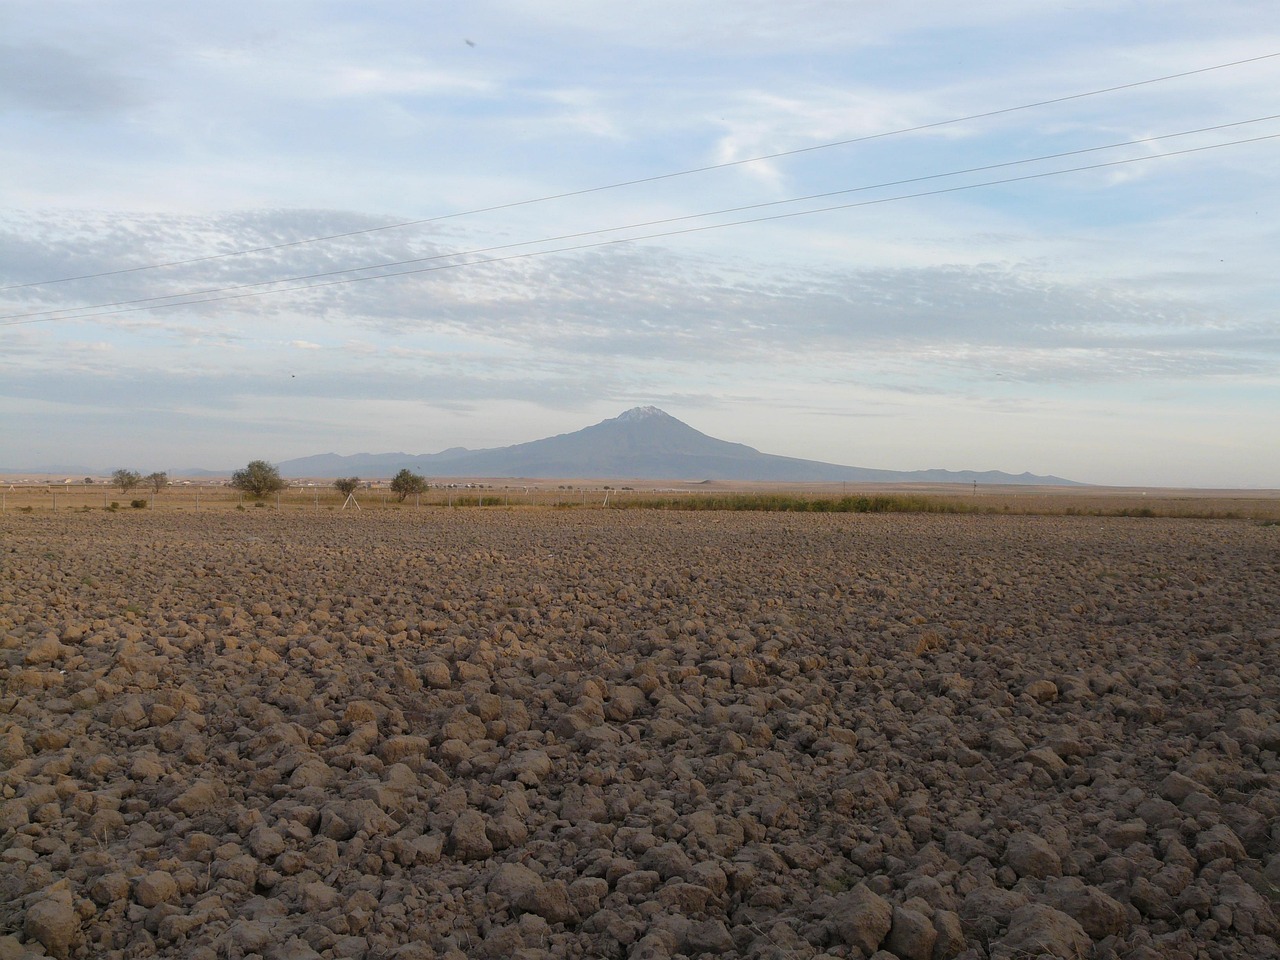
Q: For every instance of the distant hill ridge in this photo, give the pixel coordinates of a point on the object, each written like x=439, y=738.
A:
x=644, y=443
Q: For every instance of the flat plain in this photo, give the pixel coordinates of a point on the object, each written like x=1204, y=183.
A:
x=41, y=494
x=537, y=733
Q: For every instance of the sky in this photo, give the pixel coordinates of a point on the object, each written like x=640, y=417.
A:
x=553, y=176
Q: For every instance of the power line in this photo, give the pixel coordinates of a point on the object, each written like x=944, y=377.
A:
x=644, y=224
x=650, y=179
x=132, y=307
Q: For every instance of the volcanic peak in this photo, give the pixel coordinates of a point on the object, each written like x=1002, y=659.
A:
x=642, y=413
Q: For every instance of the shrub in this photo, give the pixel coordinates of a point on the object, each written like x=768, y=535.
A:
x=138, y=504
x=778, y=503
x=258, y=479
x=406, y=482
x=126, y=480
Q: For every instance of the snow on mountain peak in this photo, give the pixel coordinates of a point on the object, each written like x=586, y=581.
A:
x=641, y=413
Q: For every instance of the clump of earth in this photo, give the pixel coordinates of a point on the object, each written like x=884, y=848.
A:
x=540, y=734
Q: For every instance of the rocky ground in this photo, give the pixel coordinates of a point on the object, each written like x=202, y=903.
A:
x=536, y=734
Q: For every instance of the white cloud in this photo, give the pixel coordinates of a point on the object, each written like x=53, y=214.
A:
x=353, y=80
x=163, y=132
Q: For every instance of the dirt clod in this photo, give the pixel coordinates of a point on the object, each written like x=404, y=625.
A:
x=555, y=735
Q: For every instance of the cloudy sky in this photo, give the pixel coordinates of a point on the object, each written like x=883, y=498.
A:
x=1107, y=311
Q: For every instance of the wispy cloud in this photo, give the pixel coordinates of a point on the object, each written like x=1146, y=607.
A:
x=163, y=132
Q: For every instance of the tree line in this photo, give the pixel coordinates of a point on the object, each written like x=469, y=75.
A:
x=126, y=480
x=403, y=484
x=260, y=479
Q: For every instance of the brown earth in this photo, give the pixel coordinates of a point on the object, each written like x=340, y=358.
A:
x=36, y=495
x=586, y=733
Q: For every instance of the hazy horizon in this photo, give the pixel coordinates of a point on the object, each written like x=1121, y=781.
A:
x=1113, y=325
x=657, y=452
x=206, y=471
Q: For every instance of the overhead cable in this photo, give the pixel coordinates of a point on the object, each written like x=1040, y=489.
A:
x=646, y=224
x=135, y=306
x=650, y=179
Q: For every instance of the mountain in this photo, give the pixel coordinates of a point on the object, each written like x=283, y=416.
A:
x=59, y=469
x=643, y=443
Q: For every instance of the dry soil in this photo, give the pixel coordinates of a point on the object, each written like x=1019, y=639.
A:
x=576, y=733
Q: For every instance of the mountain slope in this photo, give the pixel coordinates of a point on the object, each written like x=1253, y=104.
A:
x=643, y=443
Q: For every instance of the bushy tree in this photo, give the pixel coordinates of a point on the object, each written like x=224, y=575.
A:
x=406, y=482
x=347, y=485
x=157, y=481
x=258, y=479
x=126, y=480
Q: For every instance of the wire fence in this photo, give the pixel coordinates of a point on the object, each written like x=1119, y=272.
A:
x=25, y=496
